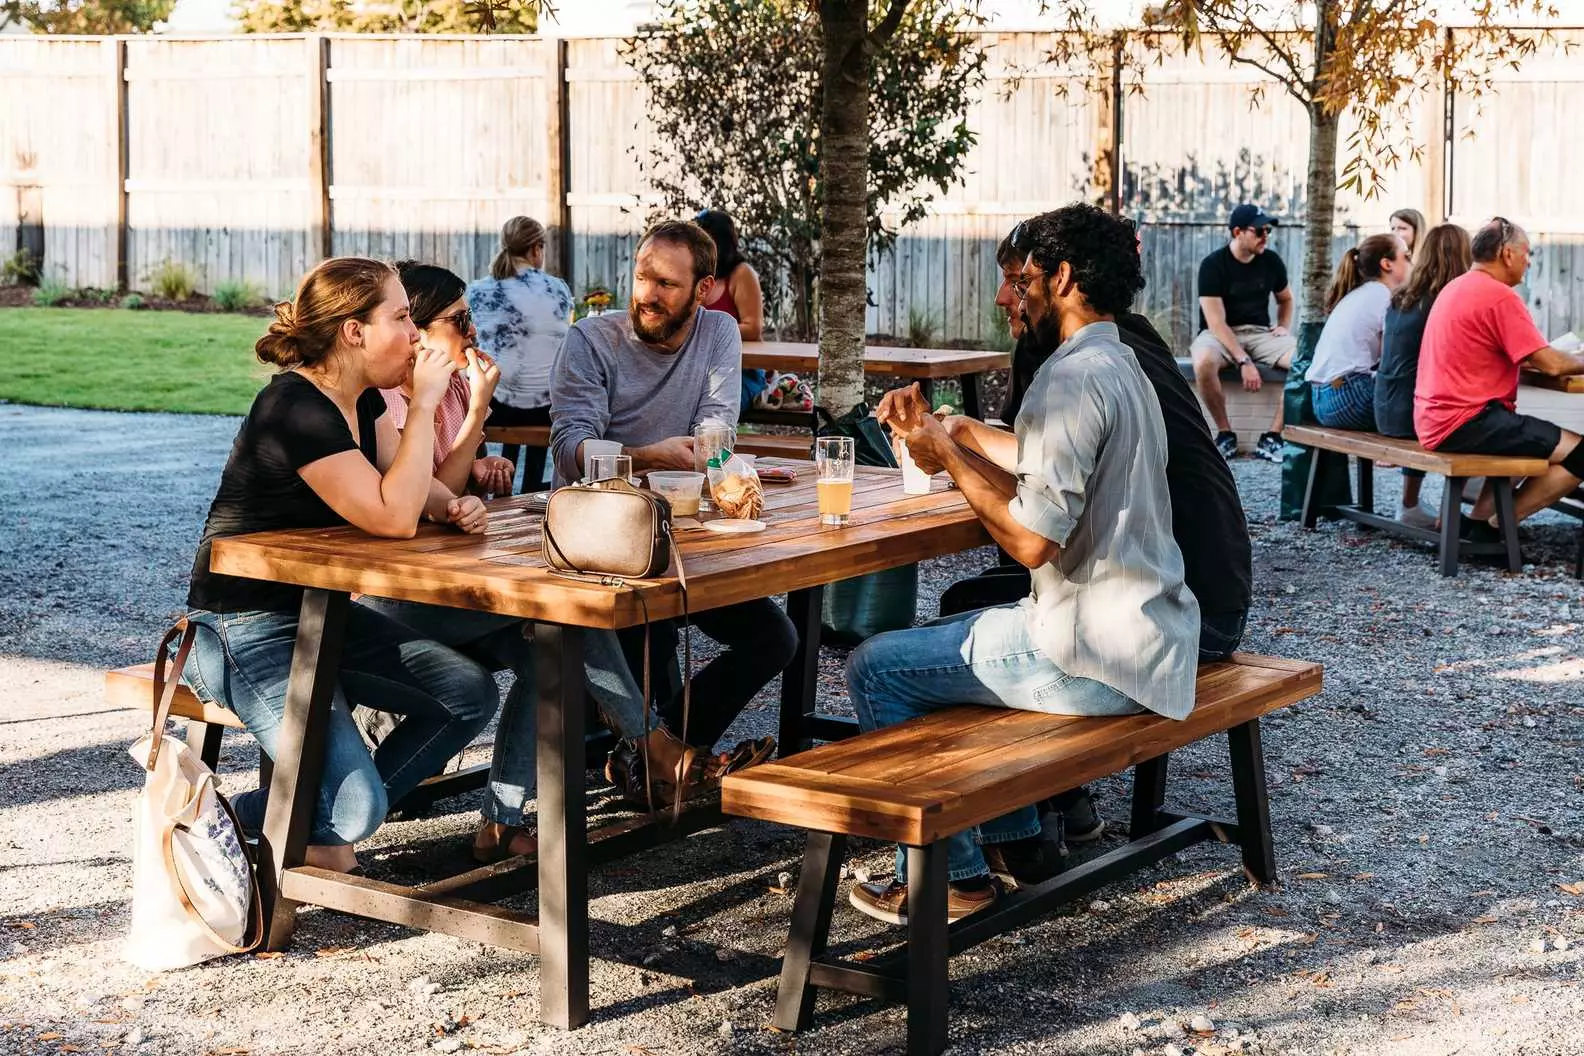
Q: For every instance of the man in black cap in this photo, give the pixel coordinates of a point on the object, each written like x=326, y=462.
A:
x=1236, y=283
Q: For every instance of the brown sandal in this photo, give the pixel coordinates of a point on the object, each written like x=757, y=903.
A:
x=747, y=753
x=625, y=769
x=495, y=842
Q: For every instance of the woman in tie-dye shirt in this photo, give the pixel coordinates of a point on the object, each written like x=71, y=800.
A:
x=522, y=315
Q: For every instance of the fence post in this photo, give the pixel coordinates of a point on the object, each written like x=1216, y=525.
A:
x=558, y=157
x=116, y=59
x=1118, y=43
x=1438, y=146
x=320, y=223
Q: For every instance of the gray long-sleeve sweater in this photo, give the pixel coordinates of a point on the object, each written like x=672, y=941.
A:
x=609, y=385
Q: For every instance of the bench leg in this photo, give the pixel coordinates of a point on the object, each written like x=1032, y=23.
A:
x=204, y=739
x=926, y=950
x=1578, y=558
x=1253, y=807
x=1311, y=509
x=811, y=917
x=1507, y=517
x=1366, y=485
x=1149, y=795
x=1451, y=518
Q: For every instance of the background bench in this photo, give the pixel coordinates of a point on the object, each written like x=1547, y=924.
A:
x=1370, y=448
x=926, y=779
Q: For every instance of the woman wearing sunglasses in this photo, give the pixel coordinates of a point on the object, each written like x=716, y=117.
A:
x=445, y=324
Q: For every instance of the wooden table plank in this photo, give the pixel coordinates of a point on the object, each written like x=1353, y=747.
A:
x=500, y=571
x=1573, y=383
x=1408, y=453
x=913, y=363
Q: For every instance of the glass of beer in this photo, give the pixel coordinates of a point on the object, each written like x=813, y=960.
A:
x=833, y=461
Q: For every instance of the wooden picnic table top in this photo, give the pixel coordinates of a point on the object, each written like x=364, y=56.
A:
x=1572, y=383
x=918, y=363
x=501, y=570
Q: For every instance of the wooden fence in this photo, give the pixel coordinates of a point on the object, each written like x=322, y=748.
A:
x=248, y=158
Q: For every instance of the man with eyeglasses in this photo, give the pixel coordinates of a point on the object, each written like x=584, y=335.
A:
x=1077, y=494
x=1479, y=334
x=1236, y=284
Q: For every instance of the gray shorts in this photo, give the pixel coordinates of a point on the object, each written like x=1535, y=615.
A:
x=1262, y=346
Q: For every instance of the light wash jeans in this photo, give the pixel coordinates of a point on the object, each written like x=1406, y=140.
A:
x=981, y=657
x=498, y=643
x=242, y=660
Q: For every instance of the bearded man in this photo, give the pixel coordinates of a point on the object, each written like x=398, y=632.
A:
x=645, y=380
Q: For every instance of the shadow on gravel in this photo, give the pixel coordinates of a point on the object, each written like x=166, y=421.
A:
x=69, y=773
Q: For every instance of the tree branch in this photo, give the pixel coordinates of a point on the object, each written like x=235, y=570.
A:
x=1285, y=82
x=881, y=34
x=1289, y=82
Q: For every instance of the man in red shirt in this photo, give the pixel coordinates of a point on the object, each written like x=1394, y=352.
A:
x=1477, y=337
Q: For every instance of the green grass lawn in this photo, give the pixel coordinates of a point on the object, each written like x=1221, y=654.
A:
x=132, y=361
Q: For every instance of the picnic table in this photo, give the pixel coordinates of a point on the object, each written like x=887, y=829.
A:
x=500, y=571
x=1572, y=383
x=923, y=365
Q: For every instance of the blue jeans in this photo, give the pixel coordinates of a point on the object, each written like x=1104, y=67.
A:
x=498, y=643
x=242, y=660
x=1348, y=406
x=980, y=657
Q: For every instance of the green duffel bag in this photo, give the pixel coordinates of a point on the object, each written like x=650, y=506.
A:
x=1298, y=409
x=855, y=609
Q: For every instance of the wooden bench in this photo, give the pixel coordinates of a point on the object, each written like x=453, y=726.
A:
x=1370, y=448
x=932, y=777
x=763, y=444
x=133, y=688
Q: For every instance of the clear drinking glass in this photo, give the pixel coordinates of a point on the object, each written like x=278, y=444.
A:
x=712, y=443
x=833, y=461
x=608, y=467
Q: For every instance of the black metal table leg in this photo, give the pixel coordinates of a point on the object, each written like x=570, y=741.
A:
x=299, y=754
x=563, y=841
x=971, y=393
x=1149, y=795
x=1507, y=517
x=811, y=917
x=1451, y=520
x=926, y=950
x=927, y=390
x=800, y=680
x=1253, y=808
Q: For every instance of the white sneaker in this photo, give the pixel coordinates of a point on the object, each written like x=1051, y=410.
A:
x=1418, y=517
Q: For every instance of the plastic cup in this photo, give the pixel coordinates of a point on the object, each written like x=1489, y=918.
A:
x=914, y=480
x=610, y=467
x=712, y=445
x=680, y=488
x=592, y=449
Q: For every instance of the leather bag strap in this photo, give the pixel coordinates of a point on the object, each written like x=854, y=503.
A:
x=255, y=930
x=165, y=688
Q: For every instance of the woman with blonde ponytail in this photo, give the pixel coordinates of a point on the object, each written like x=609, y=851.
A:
x=522, y=315
x=1342, y=375
x=317, y=449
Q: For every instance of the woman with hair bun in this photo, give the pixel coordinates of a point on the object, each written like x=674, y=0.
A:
x=317, y=449
x=1342, y=375
x=522, y=314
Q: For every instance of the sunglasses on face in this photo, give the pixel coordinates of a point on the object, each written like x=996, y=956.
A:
x=462, y=320
x=1263, y=232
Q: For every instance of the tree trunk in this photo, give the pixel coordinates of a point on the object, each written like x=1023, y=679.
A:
x=1320, y=218
x=844, y=178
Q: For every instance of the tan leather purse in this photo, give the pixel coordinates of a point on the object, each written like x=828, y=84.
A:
x=607, y=529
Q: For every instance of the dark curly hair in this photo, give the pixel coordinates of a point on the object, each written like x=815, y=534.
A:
x=1102, y=250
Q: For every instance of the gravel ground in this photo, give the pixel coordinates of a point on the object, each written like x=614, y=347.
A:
x=1427, y=812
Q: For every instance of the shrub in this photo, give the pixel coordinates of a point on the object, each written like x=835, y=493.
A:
x=51, y=292
x=922, y=326
x=132, y=302
x=173, y=281
x=96, y=295
x=237, y=295
x=20, y=268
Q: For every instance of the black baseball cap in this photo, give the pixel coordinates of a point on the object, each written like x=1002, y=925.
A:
x=1247, y=215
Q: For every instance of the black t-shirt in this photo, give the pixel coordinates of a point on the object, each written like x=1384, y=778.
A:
x=1245, y=289
x=290, y=425
x=1207, y=513
x=1399, y=368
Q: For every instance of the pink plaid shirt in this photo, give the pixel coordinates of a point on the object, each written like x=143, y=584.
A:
x=448, y=418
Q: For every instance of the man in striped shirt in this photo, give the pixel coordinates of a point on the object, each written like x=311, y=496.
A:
x=1078, y=495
